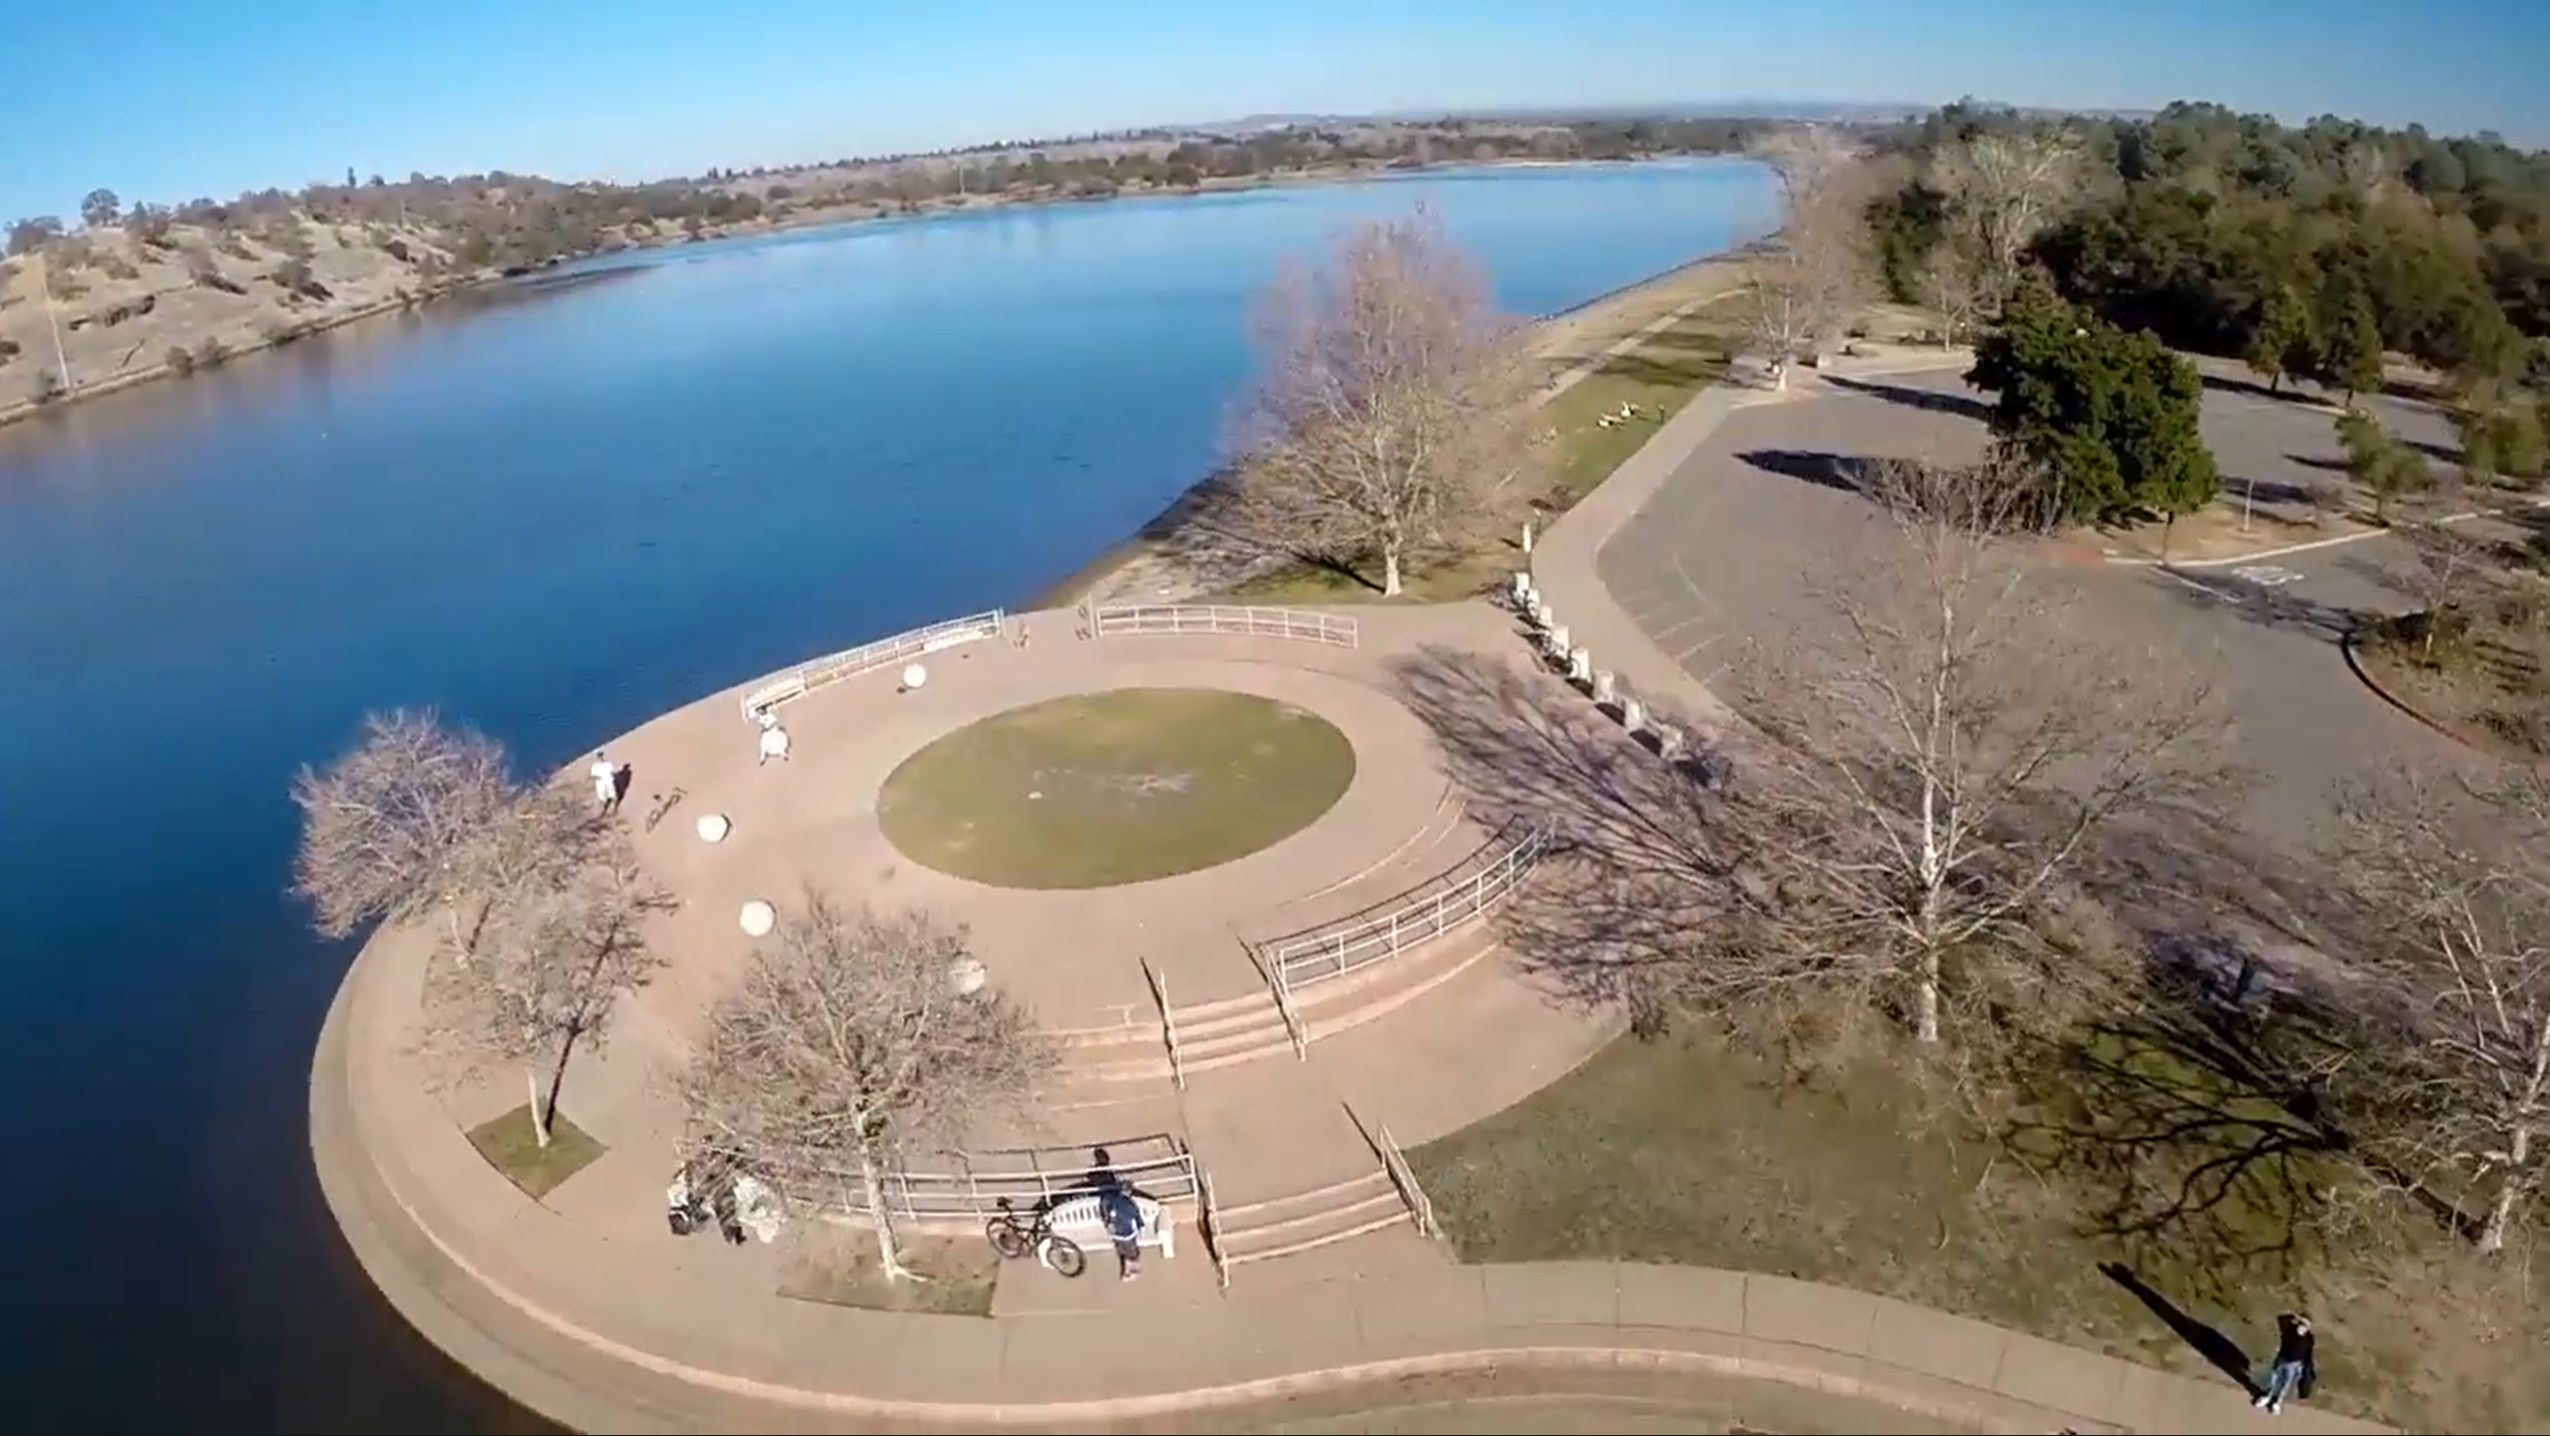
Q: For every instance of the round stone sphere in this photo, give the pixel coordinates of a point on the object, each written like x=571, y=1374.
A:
x=915, y=676
x=713, y=827
x=967, y=976
x=758, y=918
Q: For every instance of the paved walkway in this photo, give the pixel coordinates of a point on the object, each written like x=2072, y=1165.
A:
x=583, y=1307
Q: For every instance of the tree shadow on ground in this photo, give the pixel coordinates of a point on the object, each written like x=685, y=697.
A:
x=2195, y=1119
x=2205, y=1340
x=1842, y=472
x=1963, y=406
x=2255, y=388
x=2261, y=604
x=1636, y=853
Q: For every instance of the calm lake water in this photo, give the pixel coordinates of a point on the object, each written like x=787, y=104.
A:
x=552, y=518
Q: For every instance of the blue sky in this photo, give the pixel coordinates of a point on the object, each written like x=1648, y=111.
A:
x=174, y=98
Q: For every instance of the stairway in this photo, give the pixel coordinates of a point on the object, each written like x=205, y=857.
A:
x=1249, y=1028
x=1306, y=1221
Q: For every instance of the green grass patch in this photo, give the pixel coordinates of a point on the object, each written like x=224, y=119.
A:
x=2144, y=1205
x=1126, y=786
x=1654, y=380
x=511, y=1146
x=838, y=1266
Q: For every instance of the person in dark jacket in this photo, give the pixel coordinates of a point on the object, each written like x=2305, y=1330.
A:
x=1123, y=1216
x=2294, y=1372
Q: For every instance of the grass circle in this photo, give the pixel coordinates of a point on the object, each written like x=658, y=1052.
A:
x=1126, y=786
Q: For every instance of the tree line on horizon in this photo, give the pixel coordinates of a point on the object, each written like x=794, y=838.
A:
x=503, y=221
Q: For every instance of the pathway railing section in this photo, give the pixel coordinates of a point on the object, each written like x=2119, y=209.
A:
x=869, y=657
x=1394, y=1160
x=1168, y=1022
x=1210, y=1222
x=1159, y=1166
x=1378, y=934
x=1305, y=625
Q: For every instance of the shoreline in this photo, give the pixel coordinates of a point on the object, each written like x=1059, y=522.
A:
x=844, y=217
x=1180, y=580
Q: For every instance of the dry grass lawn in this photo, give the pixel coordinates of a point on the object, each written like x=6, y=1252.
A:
x=837, y=1265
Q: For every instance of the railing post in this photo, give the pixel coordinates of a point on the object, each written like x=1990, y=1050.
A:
x=1168, y=1023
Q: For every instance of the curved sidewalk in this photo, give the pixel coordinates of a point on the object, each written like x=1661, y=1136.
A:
x=601, y=1322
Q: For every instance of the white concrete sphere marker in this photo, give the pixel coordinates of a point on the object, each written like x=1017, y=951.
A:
x=713, y=827
x=967, y=976
x=915, y=676
x=758, y=918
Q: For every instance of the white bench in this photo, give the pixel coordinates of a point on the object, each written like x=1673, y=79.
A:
x=1078, y=1219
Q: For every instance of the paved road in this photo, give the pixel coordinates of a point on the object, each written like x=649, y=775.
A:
x=1729, y=549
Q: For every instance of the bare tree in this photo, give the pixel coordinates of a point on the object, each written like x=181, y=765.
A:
x=2449, y=561
x=2007, y=188
x=1951, y=282
x=2454, y=879
x=549, y=976
x=419, y=818
x=1806, y=283
x=1394, y=401
x=849, y=1043
x=1945, y=745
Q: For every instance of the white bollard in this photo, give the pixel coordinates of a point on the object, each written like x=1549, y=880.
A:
x=1580, y=666
x=1606, y=687
x=1527, y=535
x=1522, y=588
x=1540, y=610
x=1669, y=743
x=1633, y=714
x=1558, y=644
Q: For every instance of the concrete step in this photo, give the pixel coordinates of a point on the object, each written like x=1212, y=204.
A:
x=1307, y=1221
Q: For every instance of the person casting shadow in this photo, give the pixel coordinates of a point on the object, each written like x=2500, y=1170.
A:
x=2206, y=1341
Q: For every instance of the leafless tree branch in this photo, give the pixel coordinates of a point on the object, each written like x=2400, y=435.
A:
x=1393, y=404
x=2007, y=188
x=1943, y=748
x=1807, y=284
x=552, y=964
x=2453, y=877
x=422, y=821
x=847, y=1046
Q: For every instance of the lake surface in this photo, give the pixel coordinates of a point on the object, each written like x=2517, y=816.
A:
x=551, y=518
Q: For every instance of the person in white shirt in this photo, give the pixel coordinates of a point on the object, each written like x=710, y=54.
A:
x=774, y=742
x=606, y=781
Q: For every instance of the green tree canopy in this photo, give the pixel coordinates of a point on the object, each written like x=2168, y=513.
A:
x=2111, y=418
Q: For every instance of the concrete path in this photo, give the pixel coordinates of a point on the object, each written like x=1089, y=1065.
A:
x=584, y=1308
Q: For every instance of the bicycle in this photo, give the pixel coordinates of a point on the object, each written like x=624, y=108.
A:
x=1015, y=1237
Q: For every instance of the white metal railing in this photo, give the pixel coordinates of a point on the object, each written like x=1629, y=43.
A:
x=1120, y=620
x=1394, y=1160
x=1335, y=949
x=869, y=657
x=1158, y=1166
x=1168, y=1023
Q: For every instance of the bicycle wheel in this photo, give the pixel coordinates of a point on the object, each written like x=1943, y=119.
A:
x=1006, y=1238
x=1065, y=1256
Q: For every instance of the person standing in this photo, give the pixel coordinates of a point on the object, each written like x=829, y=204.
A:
x=2294, y=1372
x=1122, y=1213
x=606, y=781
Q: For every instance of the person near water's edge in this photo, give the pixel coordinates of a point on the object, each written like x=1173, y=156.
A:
x=2294, y=1372
x=606, y=781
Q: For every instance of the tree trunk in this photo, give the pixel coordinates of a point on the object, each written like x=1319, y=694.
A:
x=2275, y=380
x=873, y=1185
x=539, y=1110
x=451, y=919
x=1390, y=569
x=1926, y=999
x=2168, y=523
x=2501, y=1212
